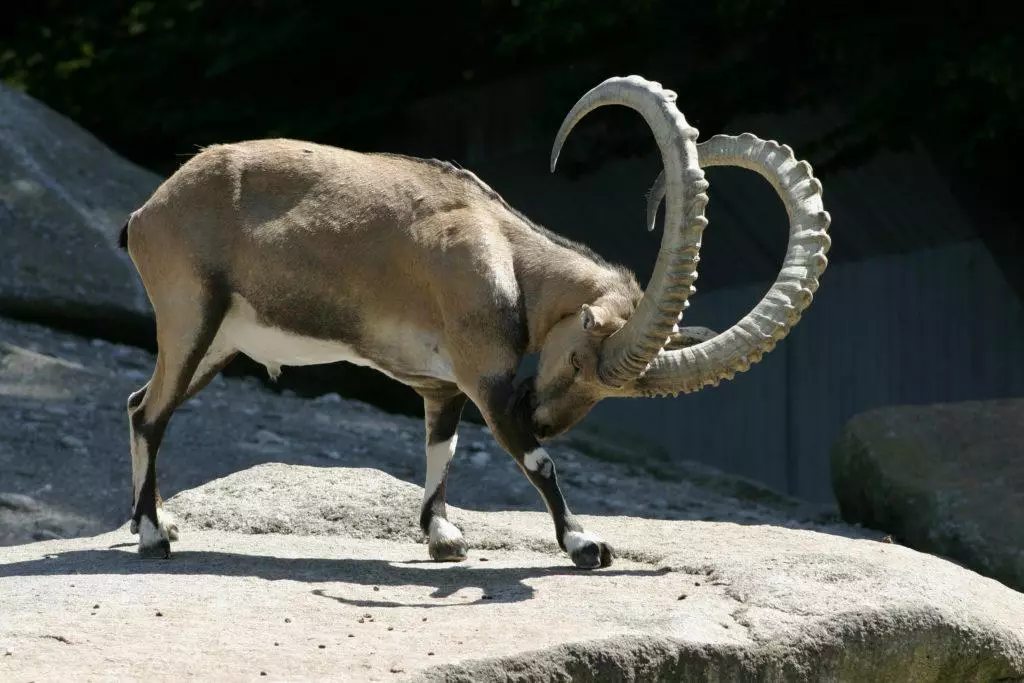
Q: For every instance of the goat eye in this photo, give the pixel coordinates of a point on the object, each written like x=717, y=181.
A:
x=575, y=360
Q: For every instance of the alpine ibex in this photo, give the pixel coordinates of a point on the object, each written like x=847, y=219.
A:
x=296, y=253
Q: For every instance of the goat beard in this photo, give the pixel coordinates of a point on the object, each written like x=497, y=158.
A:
x=521, y=403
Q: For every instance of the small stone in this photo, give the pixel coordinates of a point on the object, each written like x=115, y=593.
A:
x=361, y=620
x=484, y=559
x=71, y=441
x=682, y=597
x=276, y=644
x=397, y=669
x=696, y=583
x=376, y=588
x=351, y=635
x=430, y=654
x=424, y=618
x=391, y=628
x=287, y=620
x=368, y=615
x=322, y=646
x=265, y=436
x=159, y=614
x=481, y=459
x=263, y=673
x=96, y=606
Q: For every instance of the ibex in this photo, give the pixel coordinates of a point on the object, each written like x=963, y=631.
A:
x=296, y=253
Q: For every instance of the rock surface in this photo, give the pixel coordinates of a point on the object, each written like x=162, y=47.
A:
x=946, y=479
x=333, y=587
x=63, y=198
x=65, y=444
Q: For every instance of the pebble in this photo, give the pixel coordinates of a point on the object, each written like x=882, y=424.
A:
x=71, y=441
x=265, y=436
x=328, y=398
x=480, y=459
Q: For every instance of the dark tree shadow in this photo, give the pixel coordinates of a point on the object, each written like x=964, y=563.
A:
x=498, y=584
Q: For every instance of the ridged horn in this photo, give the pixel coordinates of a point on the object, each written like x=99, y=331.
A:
x=736, y=349
x=626, y=354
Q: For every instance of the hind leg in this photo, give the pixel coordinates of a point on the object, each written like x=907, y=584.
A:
x=216, y=359
x=186, y=359
x=443, y=410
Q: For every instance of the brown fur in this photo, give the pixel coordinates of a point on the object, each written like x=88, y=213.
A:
x=413, y=265
x=303, y=232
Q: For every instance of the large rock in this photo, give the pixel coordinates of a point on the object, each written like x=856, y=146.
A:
x=63, y=198
x=946, y=479
x=332, y=587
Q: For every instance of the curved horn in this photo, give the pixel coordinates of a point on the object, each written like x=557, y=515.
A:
x=743, y=344
x=627, y=353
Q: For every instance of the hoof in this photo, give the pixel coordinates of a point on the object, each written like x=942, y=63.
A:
x=155, y=539
x=161, y=550
x=446, y=541
x=587, y=551
x=449, y=551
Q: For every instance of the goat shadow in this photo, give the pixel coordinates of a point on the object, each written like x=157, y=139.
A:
x=496, y=583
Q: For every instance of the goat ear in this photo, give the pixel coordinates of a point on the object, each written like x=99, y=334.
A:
x=596, y=319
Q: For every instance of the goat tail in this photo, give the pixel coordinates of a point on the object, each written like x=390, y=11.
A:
x=122, y=237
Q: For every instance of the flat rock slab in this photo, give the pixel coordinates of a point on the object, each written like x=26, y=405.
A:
x=64, y=196
x=685, y=600
x=946, y=479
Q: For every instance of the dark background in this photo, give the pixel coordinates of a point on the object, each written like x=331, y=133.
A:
x=156, y=80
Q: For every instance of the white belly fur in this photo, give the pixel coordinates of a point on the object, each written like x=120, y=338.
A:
x=412, y=351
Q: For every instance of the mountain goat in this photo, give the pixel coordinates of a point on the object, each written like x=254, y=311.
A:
x=295, y=253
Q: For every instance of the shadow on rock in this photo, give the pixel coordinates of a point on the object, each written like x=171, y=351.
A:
x=498, y=584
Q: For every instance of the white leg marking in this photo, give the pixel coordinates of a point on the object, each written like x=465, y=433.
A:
x=149, y=535
x=443, y=532
x=166, y=528
x=577, y=540
x=438, y=457
x=538, y=460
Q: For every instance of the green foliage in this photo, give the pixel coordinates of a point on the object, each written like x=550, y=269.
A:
x=156, y=79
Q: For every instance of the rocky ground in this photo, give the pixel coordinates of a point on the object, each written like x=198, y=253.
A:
x=291, y=572
x=65, y=466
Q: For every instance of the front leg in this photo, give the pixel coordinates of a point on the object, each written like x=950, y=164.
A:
x=508, y=417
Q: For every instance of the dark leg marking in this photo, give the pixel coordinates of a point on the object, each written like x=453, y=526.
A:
x=178, y=358
x=442, y=415
x=508, y=414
